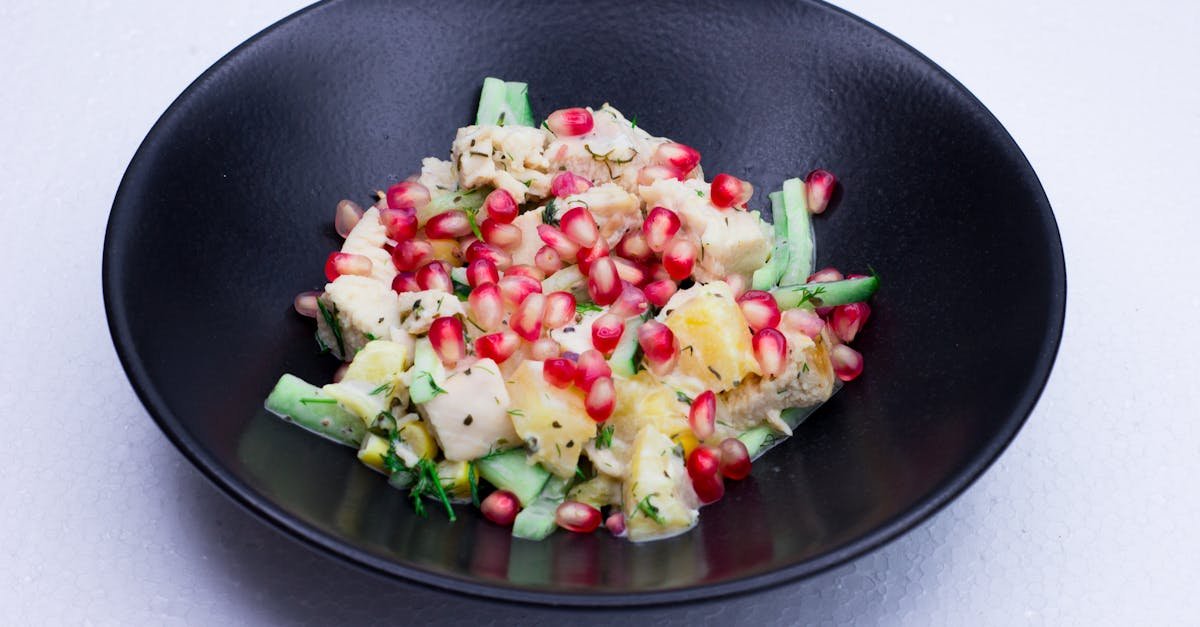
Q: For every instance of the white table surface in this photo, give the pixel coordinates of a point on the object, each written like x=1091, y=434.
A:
x=1090, y=517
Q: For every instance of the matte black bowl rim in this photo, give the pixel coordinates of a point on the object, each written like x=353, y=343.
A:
x=243, y=496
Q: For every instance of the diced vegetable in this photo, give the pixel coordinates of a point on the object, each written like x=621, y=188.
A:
x=769, y=275
x=427, y=373
x=800, y=234
x=626, y=358
x=512, y=471
x=297, y=401
x=537, y=520
x=831, y=294
x=504, y=103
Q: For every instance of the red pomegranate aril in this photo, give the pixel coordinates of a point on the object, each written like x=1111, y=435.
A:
x=525, y=271
x=760, y=309
x=482, y=271
x=527, y=320
x=547, y=260
x=407, y=195
x=516, y=288
x=346, y=217
x=659, y=346
x=400, y=224
x=660, y=226
x=487, y=306
x=702, y=416
x=482, y=250
x=730, y=191
x=346, y=263
x=580, y=227
x=825, y=275
x=405, y=282
x=628, y=271
x=589, y=367
x=497, y=346
x=559, y=372
x=661, y=291
x=704, y=469
x=679, y=258
x=633, y=247
x=804, y=321
x=631, y=302
x=560, y=310
x=556, y=239
x=847, y=320
x=615, y=523
x=435, y=275
x=606, y=333
x=577, y=517
x=410, y=254
x=819, y=186
x=448, y=225
x=499, y=234
x=570, y=122
x=737, y=285
x=847, y=362
x=679, y=156
x=601, y=398
x=603, y=283
x=770, y=350
x=501, y=206
x=543, y=349
x=306, y=304
x=586, y=256
x=568, y=184
x=651, y=173
x=446, y=336
x=735, y=459
x=500, y=507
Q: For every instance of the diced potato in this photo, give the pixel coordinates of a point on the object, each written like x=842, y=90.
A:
x=657, y=497
x=552, y=421
x=714, y=340
x=372, y=452
x=456, y=479
x=414, y=440
x=382, y=362
x=598, y=491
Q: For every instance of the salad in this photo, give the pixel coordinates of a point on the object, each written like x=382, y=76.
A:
x=566, y=325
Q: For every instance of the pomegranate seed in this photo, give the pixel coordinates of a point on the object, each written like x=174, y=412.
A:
x=481, y=250
x=448, y=225
x=487, y=306
x=847, y=362
x=760, y=309
x=547, y=260
x=804, y=321
x=631, y=302
x=446, y=335
x=601, y=398
x=603, y=284
x=410, y=254
x=556, y=239
x=825, y=275
x=497, y=346
x=679, y=257
x=515, y=289
x=589, y=367
x=560, y=310
x=661, y=291
x=435, y=275
x=651, y=173
x=570, y=122
x=482, y=271
x=819, y=185
x=407, y=195
x=400, y=224
x=580, y=227
x=659, y=346
x=346, y=217
x=527, y=321
x=847, y=320
x=577, y=517
x=633, y=247
x=543, y=349
x=559, y=372
x=730, y=191
x=770, y=349
x=405, y=282
x=606, y=333
x=615, y=523
x=568, y=184
x=525, y=270
x=306, y=304
x=586, y=256
x=735, y=459
x=499, y=234
x=628, y=271
x=346, y=263
x=500, y=507
x=501, y=206
x=340, y=373
x=679, y=156
x=703, y=466
x=703, y=415
x=737, y=284
x=660, y=226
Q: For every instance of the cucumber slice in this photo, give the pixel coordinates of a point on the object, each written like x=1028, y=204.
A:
x=427, y=373
x=831, y=294
x=800, y=235
x=504, y=103
x=538, y=521
x=441, y=202
x=628, y=353
x=768, y=276
x=512, y=471
x=295, y=400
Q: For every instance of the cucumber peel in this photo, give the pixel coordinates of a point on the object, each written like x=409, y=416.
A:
x=627, y=355
x=295, y=400
x=504, y=104
x=427, y=373
x=511, y=470
x=769, y=275
x=829, y=294
x=800, y=234
x=537, y=521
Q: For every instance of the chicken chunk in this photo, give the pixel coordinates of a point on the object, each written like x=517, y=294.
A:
x=418, y=310
x=807, y=381
x=614, y=151
x=357, y=309
x=615, y=210
x=471, y=418
x=437, y=175
x=511, y=158
x=367, y=239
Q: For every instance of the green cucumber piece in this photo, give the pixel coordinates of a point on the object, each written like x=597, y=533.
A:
x=504, y=103
x=800, y=236
x=564, y=280
x=441, y=202
x=768, y=276
x=538, y=520
x=298, y=401
x=830, y=294
x=427, y=373
x=512, y=471
x=627, y=355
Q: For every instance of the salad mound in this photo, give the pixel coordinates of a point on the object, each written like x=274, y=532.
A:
x=567, y=326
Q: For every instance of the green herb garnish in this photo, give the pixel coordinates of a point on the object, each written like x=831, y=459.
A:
x=437, y=389
x=334, y=325
x=515, y=412
x=318, y=401
x=381, y=389
x=584, y=306
x=604, y=437
x=550, y=213
x=462, y=291
x=683, y=398
x=429, y=484
x=473, y=219
x=648, y=508
x=473, y=481
x=810, y=295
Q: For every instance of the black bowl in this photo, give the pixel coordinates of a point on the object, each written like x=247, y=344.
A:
x=225, y=213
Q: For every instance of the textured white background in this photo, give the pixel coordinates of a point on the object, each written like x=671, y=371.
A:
x=1090, y=517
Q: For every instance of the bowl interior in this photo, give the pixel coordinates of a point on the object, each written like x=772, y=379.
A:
x=225, y=214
